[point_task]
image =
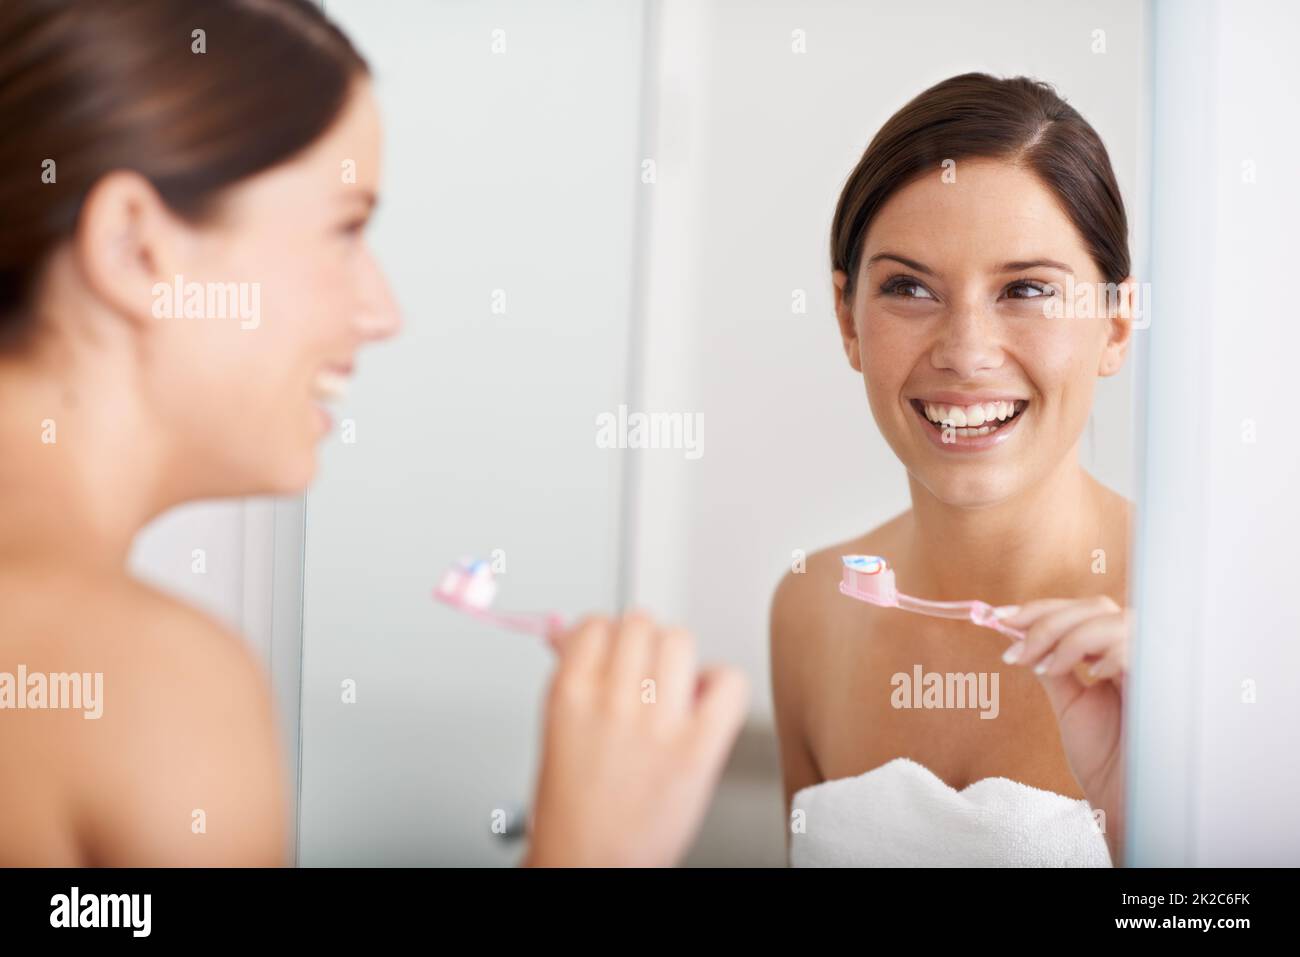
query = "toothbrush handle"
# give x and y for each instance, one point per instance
(935, 609)
(979, 612)
(546, 626)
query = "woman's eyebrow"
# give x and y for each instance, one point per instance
(909, 263)
(1021, 265)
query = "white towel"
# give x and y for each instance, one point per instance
(902, 814)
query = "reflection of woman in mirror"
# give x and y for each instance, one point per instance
(133, 162)
(974, 205)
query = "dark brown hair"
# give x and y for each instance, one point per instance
(977, 115)
(104, 85)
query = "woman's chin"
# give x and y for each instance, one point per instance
(291, 475)
(966, 486)
(297, 481)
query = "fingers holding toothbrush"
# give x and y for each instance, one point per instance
(1062, 634)
(635, 734)
(635, 739)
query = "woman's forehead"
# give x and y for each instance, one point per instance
(989, 212)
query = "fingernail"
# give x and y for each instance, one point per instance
(1041, 667)
(1012, 654)
(1006, 611)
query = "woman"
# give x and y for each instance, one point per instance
(959, 247)
(228, 150)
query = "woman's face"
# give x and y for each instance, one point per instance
(241, 391)
(948, 311)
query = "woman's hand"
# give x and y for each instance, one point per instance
(635, 741)
(1079, 648)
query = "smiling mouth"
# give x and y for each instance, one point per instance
(991, 419)
(331, 384)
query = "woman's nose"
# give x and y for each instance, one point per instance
(380, 323)
(968, 342)
(380, 317)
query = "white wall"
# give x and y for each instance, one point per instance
(216, 556)
(753, 144)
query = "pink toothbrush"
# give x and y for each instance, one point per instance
(869, 578)
(470, 586)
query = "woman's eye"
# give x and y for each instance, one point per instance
(906, 289)
(353, 228)
(1030, 290)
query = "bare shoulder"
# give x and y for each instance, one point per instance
(74, 615)
(803, 607)
(170, 756)
(805, 621)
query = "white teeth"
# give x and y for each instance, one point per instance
(331, 386)
(972, 416)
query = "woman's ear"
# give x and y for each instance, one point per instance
(1119, 326)
(844, 313)
(123, 244)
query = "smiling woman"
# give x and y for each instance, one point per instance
(970, 210)
(179, 287)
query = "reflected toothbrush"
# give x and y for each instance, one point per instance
(869, 578)
(470, 586)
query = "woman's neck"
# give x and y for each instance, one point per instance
(1031, 546)
(80, 463)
